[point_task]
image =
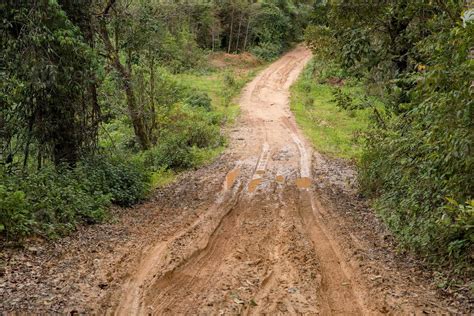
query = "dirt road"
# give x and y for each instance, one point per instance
(262, 246)
(270, 228)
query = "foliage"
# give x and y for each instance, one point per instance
(331, 130)
(270, 31)
(123, 178)
(425, 155)
(267, 50)
(417, 158)
(47, 85)
(185, 129)
(199, 99)
(14, 212)
(92, 110)
(321, 40)
(47, 203)
(53, 200)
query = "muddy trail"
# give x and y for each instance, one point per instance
(271, 227)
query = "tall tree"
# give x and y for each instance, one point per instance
(47, 66)
(136, 114)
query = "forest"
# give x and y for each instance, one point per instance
(91, 110)
(416, 164)
(102, 102)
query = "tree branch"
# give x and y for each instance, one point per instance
(107, 8)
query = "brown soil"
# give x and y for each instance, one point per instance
(244, 60)
(271, 227)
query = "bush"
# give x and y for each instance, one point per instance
(121, 177)
(48, 202)
(267, 50)
(272, 31)
(321, 40)
(15, 219)
(52, 201)
(172, 152)
(198, 99)
(418, 165)
(185, 130)
(179, 52)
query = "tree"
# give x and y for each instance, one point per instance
(46, 68)
(136, 114)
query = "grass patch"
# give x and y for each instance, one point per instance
(213, 84)
(223, 84)
(330, 129)
(161, 178)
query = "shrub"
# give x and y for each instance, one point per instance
(419, 164)
(15, 216)
(185, 129)
(123, 178)
(48, 202)
(52, 201)
(198, 99)
(267, 50)
(171, 152)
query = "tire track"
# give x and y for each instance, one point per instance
(160, 259)
(338, 289)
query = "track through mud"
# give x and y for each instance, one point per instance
(269, 228)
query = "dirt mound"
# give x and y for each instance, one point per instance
(243, 60)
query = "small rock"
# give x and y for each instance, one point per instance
(292, 290)
(103, 285)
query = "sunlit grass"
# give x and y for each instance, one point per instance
(214, 84)
(330, 129)
(161, 178)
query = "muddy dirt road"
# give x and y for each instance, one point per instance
(270, 228)
(261, 246)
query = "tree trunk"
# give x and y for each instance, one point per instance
(152, 96)
(238, 33)
(212, 39)
(28, 141)
(246, 34)
(135, 114)
(231, 29)
(39, 159)
(96, 112)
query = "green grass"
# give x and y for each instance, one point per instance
(161, 178)
(330, 129)
(223, 86)
(213, 84)
(218, 86)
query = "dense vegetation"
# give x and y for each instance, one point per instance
(93, 108)
(417, 160)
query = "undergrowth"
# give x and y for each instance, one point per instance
(319, 111)
(53, 201)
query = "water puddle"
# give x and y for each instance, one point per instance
(254, 184)
(280, 179)
(230, 178)
(303, 183)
